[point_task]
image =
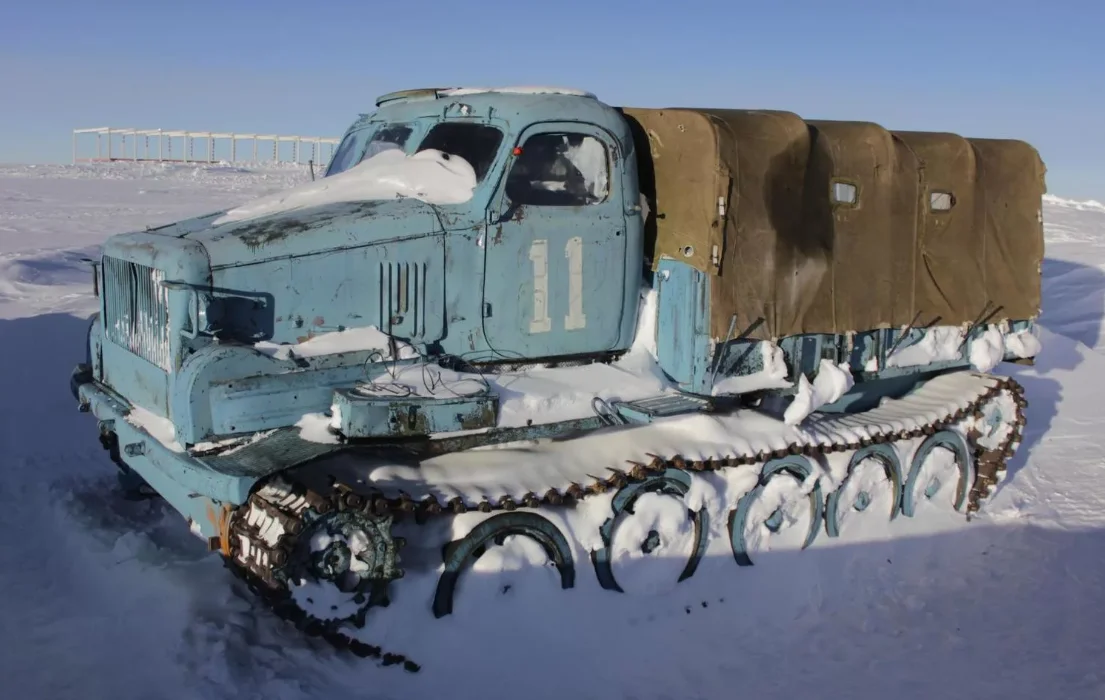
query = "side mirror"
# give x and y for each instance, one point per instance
(511, 210)
(95, 264)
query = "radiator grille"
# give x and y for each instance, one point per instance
(136, 311)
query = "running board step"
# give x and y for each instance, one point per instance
(650, 408)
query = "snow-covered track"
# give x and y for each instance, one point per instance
(316, 542)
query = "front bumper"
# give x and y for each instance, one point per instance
(82, 374)
(201, 494)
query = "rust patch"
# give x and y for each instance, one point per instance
(498, 235)
(483, 416)
(220, 520)
(409, 421)
(261, 234)
(319, 321)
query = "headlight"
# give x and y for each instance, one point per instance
(209, 314)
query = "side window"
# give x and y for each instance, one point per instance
(355, 150)
(344, 157)
(387, 138)
(559, 170)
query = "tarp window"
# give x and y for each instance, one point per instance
(941, 201)
(845, 193)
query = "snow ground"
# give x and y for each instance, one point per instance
(107, 598)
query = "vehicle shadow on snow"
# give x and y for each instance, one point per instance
(52, 452)
(1073, 300)
(52, 446)
(1073, 311)
(43, 430)
(39, 352)
(104, 512)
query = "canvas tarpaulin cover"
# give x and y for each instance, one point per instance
(834, 227)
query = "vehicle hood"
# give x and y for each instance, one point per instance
(308, 230)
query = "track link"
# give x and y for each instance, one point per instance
(264, 532)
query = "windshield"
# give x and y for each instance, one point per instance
(475, 143)
(357, 145)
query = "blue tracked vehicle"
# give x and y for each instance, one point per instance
(823, 293)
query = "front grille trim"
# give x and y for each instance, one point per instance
(136, 310)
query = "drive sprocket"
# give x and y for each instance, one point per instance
(320, 561)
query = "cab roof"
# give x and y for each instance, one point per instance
(437, 93)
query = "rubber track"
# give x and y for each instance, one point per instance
(265, 561)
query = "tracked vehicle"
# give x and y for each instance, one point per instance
(528, 314)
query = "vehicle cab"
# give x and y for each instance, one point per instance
(555, 209)
(539, 256)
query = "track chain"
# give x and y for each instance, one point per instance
(259, 569)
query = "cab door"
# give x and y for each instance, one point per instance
(554, 261)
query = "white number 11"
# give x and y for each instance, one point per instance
(539, 254)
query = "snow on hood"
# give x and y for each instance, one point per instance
(431, 176)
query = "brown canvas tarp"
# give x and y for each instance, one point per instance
(683, 159)
(949, 281)
(780, 247)
(863, 252)
(1008, 212)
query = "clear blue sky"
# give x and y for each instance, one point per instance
(1034, 71)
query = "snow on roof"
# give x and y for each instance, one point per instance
(519, 90)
